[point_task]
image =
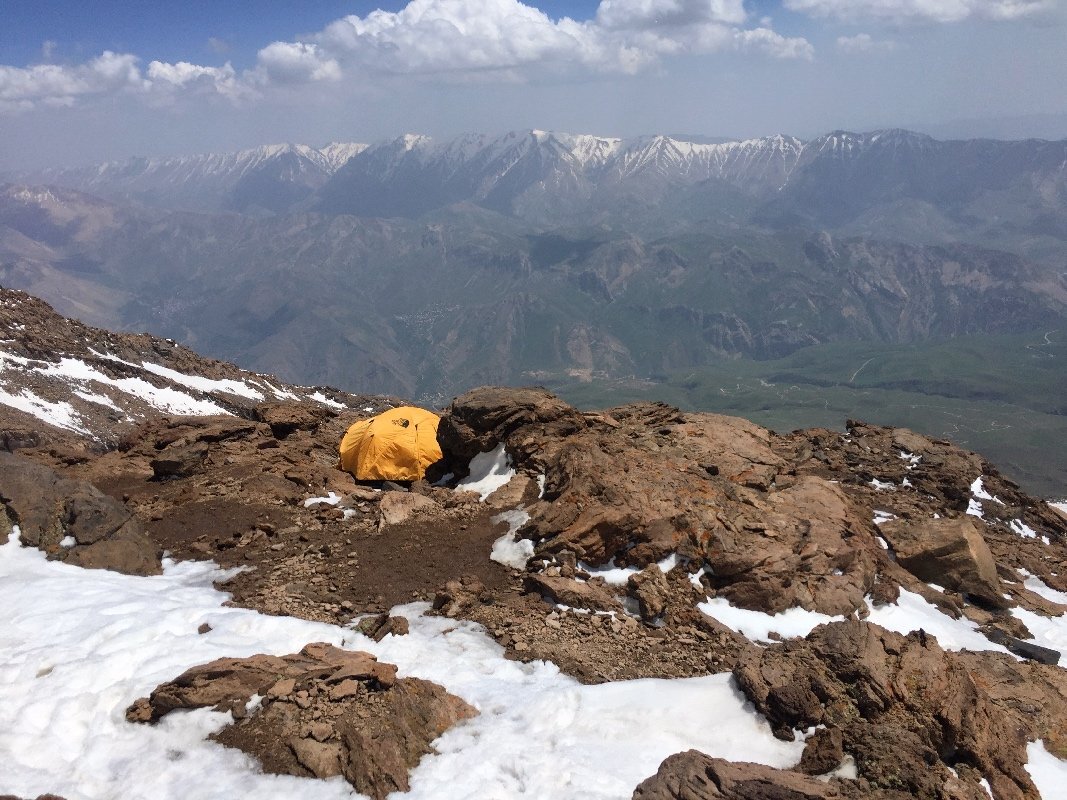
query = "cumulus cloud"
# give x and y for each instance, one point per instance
(628, 14)
(494, 38)
(434, 36)
(54, 84)
(768, 42)
(297, 62)
(926, 10)
(184, 75)
(864, 43)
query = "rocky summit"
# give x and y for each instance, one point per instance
(888, 602)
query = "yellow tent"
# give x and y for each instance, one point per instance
(396, 445)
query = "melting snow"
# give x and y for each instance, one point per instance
(508, 550)
(81, 645)
(60, 414)
(1039, 587)
(319, 397)
(202, 384)
(1048, 773)
(911, 612)
(618, 576)
(330, 499)
(1022, 529)
(168, 400)
(488, 472)
(758, 625)
(979, 491)
(881, 517)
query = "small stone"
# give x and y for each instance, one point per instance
(283, 688)
(204, 628)
(319, 731)
(346, 688)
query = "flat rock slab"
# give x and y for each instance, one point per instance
(325, 712)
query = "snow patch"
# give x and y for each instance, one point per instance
(488, 472)
(911, 612)
(1022, 529)
(319, 397)
(330, 499)
(60, 414)
(201, 384)
(758, 626)
(1048, 773)
(508, 550)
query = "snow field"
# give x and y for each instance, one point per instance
(81, 645)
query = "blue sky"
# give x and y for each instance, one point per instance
(87, 81)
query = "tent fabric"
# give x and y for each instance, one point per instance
(396, 445)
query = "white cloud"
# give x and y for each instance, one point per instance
(54, 84)
(926, 10)
(296, 62)
(184, 75)
(629, 14)
(864, 43)
(497, 39)
(769, 43)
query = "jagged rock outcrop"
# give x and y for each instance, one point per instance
(72, 520)
(325, 712)
(907, 710)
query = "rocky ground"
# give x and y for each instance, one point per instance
(680, 507)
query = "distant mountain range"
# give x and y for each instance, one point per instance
(544, 177)
(420, 267)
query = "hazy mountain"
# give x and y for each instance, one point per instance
(891, 184)
(427, 307)
(264, 180)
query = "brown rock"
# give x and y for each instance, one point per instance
(48, 508)
(179, 461)
(479, 420)
(322, 760)
(823, 752)
(905, 709)
(649, 587)
(370, 727)
(692, 775)
(948, 552)
(380, 756)
(398, 507)
(570, 592)
(286, 418)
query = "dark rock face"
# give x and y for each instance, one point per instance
(482, 418)
(325, 712)
(902, 707)
(102, 533)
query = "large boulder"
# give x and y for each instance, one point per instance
(324, 712)
(72, 520)
(947, 552)
(482, 418)
(692, 775)
(910, 714)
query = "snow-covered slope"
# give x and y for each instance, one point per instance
(94, 383)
